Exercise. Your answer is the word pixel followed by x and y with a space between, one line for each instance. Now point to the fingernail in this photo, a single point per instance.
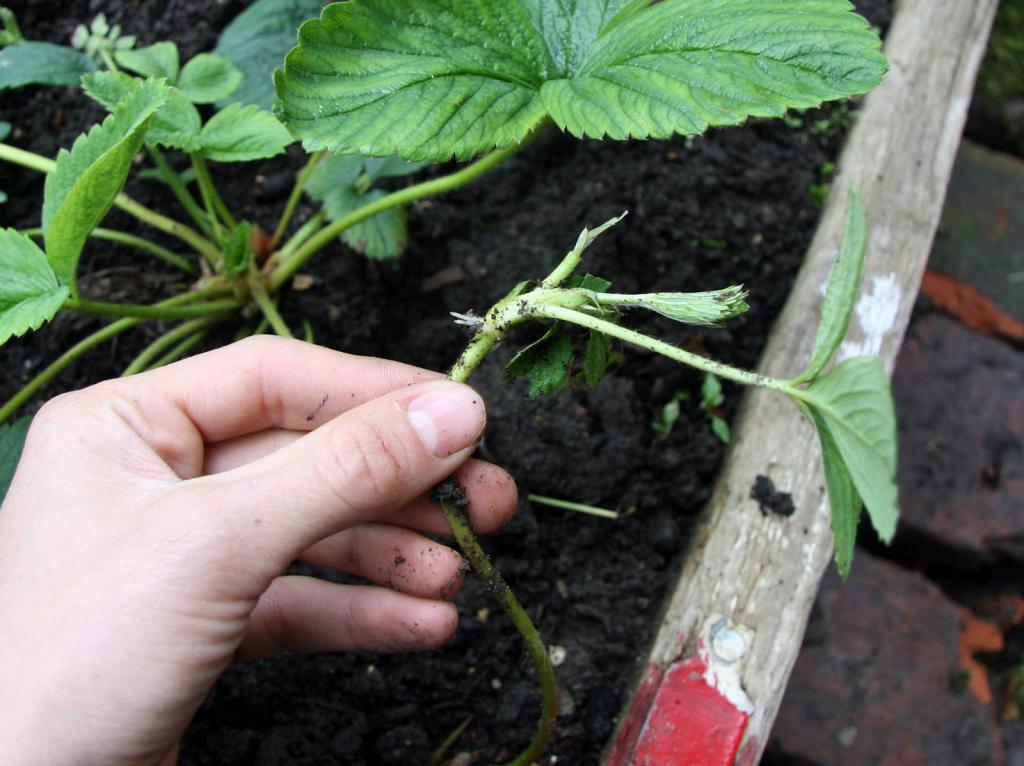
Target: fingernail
pixel 448 417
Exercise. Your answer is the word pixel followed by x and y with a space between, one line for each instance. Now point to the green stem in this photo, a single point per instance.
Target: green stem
pixel 675 353
pixel 108 60
pixel 328 234
pixel 483 342
pixel 204 192
pixel 178 351
pixel 259 294
pixel 173 180
pixel 210 193
pixel 521 620
pixel 158 311
pixel 139 243
pixel 294 197
pixel 180 335
pixel 160 222
pixel 86 344
pixel 307 230
pixel 568 505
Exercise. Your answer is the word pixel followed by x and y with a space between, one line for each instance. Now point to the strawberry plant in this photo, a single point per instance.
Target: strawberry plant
pixel 378 88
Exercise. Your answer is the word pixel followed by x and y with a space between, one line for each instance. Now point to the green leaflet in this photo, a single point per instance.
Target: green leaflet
pixel 597 358
pixel 29 291
pixel 176 124
pixel 341 186
pixel 32 63
pixel 86 181
pixel 157 60
pixel 243 133
pixel 12 442
pixel 842 497
pixel 841 293
pixel 258 39
pixel 545 362
pixel 238 250
pixel 5 131
pixel 208 78
pixel 854 403
pixel 432 79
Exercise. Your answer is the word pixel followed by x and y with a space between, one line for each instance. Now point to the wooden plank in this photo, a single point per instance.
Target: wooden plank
pixel 750 580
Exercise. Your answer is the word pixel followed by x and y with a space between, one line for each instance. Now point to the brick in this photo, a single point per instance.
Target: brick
pixel 961 423
pixel 872 683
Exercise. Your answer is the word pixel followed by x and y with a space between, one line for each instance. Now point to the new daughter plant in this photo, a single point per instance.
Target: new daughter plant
pixel 374 85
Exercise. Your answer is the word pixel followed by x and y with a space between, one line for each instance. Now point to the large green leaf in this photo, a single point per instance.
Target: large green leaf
pixel 854 403
pixel 34 63
pixel 243 133
pixel 157 60
pixel 176 124
pixel 432 79
pixel 257 41
pixel 208 78
pixel 29 291
pixel 87 180
pixel 12 442
pixel 841 293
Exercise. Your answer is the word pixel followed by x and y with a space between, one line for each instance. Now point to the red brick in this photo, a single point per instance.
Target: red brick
pixel 872 683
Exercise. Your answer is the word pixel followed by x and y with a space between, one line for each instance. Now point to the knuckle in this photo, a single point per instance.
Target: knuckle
pixel 367 463
pixel 271 618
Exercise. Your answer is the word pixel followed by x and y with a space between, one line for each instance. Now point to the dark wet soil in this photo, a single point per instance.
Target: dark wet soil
pixel 734 206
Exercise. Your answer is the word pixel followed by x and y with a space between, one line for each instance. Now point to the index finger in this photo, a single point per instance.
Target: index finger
pixel 270 382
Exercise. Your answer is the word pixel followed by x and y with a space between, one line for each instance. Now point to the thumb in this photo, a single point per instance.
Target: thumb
pixel 363 464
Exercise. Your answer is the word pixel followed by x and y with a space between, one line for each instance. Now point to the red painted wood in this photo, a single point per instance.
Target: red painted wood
pixel 686 722
pixel 629 733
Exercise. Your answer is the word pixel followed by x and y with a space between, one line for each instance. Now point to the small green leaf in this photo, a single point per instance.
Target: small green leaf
pixel 709 308
pixel 711 392
pixel 5 130
pixel 34 63
pixel 243 133
pixel 12 442
pixel 29 292
pixel 842 497
pixel 86 180
pixel 208 78
pixel 433 79
pixel 597 359
pixel 720 429
pixel 545 362
pixel 589 282
pixel 379 237
pixel 669 414
pixel 854 402
pixel 3 197
pixel 157 60
pixel 841 293
pixel 238 250
pixel 334 185
pixel 257 40
pixel 177 123
pixel 11 32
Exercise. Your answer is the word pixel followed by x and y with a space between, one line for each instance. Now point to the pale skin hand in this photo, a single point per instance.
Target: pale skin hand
pixel 143 539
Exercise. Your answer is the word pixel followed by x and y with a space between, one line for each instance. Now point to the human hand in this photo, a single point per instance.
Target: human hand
pixel 144 536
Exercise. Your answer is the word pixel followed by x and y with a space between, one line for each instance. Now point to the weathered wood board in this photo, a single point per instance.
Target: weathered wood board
pixel 743 598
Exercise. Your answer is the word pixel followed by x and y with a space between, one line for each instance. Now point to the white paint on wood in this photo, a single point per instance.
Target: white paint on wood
pixel 900 154
pixel 877 312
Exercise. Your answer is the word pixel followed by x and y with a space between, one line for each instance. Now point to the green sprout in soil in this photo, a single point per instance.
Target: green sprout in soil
pixel 469 82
